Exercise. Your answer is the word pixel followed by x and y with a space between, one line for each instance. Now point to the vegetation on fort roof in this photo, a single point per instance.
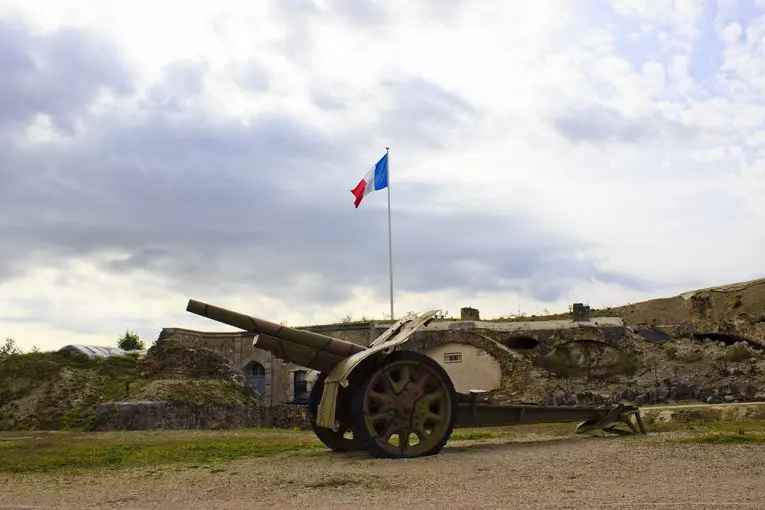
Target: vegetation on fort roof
pixel 518 316
pixel 521 316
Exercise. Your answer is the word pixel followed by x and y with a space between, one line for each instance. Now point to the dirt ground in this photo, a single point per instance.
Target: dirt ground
pixel 569 472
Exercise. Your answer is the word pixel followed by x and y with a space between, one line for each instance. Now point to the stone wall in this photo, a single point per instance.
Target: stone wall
pixel 168 415
pixel 278 380
pixel 361 333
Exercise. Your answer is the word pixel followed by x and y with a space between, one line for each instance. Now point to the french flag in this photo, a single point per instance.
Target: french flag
pixel 375 180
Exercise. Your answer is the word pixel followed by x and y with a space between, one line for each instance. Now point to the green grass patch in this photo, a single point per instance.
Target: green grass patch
pixel 722 438
pixel 708 426
pixel 472 436
pixel 71 451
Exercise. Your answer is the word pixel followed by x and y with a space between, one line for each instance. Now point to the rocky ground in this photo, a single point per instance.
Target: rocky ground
pixel 530 471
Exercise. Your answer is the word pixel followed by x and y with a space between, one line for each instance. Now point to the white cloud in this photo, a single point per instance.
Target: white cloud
pixel 589 129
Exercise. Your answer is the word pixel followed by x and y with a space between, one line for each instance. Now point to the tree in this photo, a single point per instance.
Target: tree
pixel 9 348
pixel 130 342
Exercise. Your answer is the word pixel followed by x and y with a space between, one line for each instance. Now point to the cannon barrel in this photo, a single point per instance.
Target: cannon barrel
pixel 304 348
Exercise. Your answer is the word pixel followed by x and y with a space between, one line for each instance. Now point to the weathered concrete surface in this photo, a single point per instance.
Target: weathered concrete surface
pixel 737 309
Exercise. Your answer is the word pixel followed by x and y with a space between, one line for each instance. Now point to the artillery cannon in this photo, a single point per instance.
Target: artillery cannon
pixel 397 403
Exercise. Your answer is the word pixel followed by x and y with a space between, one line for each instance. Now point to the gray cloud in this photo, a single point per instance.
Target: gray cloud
pixel 57 74
pixel 326 100
pixel 597 123
pixel 364 12
pixel 181 81
pixel 443 10
pixel 424 113
pixel 207 203
pixel 253 77
pixel 296 17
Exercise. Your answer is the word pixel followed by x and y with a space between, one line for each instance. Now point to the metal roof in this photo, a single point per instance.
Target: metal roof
pixel 97 351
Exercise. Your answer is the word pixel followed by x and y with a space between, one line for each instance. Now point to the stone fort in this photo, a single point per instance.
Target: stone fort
pixel 487 355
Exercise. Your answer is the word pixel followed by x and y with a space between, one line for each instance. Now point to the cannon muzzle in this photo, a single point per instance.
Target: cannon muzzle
pixel 304 348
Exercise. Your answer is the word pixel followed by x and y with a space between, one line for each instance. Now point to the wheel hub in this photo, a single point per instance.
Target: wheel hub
pixel 407 408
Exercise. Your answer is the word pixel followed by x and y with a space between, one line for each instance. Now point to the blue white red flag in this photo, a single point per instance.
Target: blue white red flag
pixel 375 180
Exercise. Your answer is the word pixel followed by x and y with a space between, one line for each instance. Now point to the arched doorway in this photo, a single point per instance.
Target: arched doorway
pixel 257 377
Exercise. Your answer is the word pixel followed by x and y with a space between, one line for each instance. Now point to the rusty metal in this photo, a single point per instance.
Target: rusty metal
pixel 472 412
pixel 304 348
pixel 399 403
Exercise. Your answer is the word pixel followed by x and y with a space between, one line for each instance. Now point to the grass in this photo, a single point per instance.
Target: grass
pixel 24 452
pixel 723 438
pixel 707 432
pixel 709 426
pixel 75 451
pixel 48 451
pixel 472 436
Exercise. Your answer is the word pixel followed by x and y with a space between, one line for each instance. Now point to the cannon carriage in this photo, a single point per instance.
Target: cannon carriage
pixel 395 403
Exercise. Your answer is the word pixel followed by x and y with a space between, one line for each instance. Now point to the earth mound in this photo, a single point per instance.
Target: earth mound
pixel 729 312
pixel 167 359
pixel 59 390
pixel 172 387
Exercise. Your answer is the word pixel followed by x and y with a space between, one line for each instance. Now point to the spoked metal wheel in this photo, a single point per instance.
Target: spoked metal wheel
pixel 343 440
pixel 406 408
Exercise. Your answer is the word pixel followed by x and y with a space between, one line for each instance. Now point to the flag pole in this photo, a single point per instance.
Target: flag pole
pixel 390 241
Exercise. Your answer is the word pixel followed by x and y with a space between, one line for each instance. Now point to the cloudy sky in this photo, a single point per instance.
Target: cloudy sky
pixel 541 153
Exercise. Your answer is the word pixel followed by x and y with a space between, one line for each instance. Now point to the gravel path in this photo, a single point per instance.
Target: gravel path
pixel 576 472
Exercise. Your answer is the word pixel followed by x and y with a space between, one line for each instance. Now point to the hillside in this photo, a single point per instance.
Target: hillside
pixel 55 390
pixel 188 387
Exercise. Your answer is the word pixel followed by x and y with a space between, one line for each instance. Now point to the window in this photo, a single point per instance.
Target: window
pixel 300 384
pixel 453 357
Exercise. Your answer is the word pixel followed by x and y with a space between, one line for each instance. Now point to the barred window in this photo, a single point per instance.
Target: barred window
pixel 453 357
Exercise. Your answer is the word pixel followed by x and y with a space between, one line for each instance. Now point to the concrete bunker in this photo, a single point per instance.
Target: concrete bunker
pixel 469 367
